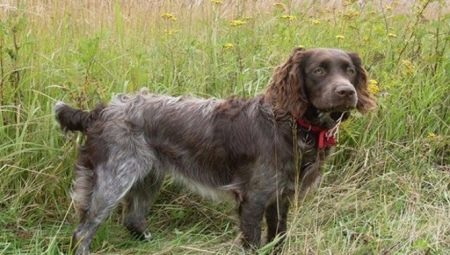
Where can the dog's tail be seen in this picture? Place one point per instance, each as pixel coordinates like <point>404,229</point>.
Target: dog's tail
<point>72,119</point>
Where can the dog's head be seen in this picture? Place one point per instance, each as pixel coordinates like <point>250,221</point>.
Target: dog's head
<point>330,80</point>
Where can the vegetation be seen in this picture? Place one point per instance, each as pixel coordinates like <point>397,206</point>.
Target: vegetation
<point>385,191</point>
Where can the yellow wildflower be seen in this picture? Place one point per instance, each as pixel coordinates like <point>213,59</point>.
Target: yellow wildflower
<point>288,17</point>
<point>373,87</point>
<point>408,66</point>
<point>432,136</point>
<point>301,46</point>
<point>217,2</point>
<point>170,31</point>
<point>280,5</point>
<point>349,2</point>
<point>228,46</point>
<point>392,35</point>
<point>237,22</point>
<point>388,7</point>
<point>315,21</point>
<point>351,14</point>
<point>168,16</point>
<point>340,37</point>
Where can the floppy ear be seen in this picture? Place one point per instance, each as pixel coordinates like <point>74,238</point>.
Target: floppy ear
<point>365,101</point>
<point>286,91</point>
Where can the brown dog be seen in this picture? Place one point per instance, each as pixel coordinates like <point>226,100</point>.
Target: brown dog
<point>243,148</point>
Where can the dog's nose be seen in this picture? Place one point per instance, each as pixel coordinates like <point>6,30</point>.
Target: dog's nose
<point>345,91</point>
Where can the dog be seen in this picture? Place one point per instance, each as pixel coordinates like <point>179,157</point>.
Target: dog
<point>255,151</point>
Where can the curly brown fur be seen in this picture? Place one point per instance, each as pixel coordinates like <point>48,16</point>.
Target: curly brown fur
<point>243,149</point>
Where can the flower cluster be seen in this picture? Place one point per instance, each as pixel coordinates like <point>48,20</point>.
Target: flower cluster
<point>280,6</point>
<point>315,21</point>
<point>169,16</point>
<point>408,67</point>
<point>373,87</point>
<point>171,31</point>
<point>288,17</point>
<point>237,22</point>
<point>228,46</point>
<point>392,35</point>
<point>217,2</point>
<point>351,14</point>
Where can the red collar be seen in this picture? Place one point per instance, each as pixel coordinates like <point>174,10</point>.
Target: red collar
<point>326,138</point>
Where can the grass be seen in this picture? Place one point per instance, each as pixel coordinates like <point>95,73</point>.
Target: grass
<point>385,191</point>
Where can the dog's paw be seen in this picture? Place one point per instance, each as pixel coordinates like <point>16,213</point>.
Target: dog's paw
<point>142,236</point>
<point>147,236</point>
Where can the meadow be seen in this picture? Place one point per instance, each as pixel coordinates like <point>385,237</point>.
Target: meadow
<point>386,190</point>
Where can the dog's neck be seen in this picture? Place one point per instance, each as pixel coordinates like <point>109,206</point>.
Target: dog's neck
<point>322,127</point>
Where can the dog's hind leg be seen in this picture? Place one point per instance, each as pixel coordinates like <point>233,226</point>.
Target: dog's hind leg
<point>82,188</point>
<point>112,183</point>
<point>138,202</point>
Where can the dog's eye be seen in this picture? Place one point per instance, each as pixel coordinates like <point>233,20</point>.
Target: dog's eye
<point>351,70</point>
<point>319,71</point>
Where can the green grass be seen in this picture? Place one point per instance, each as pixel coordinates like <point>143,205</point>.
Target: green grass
<point>385,191</point>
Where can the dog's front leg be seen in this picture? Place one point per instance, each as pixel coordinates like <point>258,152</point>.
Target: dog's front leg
<point>310,178</point>
<point>251,211</point>
<point>276,218</point>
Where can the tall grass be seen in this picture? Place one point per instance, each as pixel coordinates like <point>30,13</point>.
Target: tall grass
<point>386,190</point>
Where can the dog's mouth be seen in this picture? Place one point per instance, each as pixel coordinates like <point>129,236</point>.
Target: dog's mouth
<point>331,106</point>
<point>334,111</point>
<point>327,118</point>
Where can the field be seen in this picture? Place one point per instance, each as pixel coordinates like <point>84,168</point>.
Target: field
<point>386,189</point>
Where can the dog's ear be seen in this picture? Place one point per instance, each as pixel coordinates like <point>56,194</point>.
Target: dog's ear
<point>365,101</point>
<point>286,91</point>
